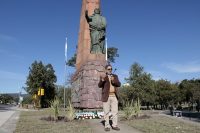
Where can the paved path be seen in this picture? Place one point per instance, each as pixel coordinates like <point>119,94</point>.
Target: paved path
<point>8,118</point>
<point>6,112</point>
<point>98,127</point>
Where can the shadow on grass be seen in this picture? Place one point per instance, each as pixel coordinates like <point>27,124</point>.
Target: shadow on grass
<point>52,119</point>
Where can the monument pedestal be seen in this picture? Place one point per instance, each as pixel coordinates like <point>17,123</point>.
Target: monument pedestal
<point>85,93</point>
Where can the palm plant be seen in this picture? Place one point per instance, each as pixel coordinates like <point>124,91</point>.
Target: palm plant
<point>128,110</point>
<point>55,105</point>
<point>70,112</point>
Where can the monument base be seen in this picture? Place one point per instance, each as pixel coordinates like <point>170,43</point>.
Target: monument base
<point>85,91</point>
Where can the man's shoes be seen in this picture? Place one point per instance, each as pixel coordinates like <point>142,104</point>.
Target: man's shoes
<point>116,128</point>
<point>107,129</point>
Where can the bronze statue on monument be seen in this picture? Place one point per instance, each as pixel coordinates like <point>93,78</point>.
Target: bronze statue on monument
<point>97,25</point>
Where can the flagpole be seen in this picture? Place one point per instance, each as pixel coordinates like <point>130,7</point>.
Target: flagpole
<point>64,87</point>
<point>65,71</point>
<point>106,50</point>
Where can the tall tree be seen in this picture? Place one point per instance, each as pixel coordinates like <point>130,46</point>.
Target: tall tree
<point>112,54</point>
<point>135,72</point>
<point>41,75</point>
<point>142,84</point>
<point>191,91</point>
<point>72,61</point>
<point>168,93</point>
<point>5,98</point>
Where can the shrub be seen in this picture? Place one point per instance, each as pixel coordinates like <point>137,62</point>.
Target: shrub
<point>55,104</point>
<point>137,107</point>
<point>131,109</point>
<point>128,110</point>
<point>70,112</point>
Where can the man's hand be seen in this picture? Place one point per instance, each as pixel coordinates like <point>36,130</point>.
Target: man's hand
<point>102,77</point>
<point>112,78</point>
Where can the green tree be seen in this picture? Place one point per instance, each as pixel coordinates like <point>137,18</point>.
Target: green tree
<point>5,98</point>
<point>136,71</point>
<point>112,54</point>
<point>168,93</point>
<point>72,61</point>
<point>142,85</point>
<point>41,75</point>
<point>185,87</point>
<point>28,99</point>
<point>191,92</point>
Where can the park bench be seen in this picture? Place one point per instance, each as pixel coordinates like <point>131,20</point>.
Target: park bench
<point>177,113</point>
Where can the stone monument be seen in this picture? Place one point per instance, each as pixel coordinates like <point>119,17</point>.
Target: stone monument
<point>91,60</point>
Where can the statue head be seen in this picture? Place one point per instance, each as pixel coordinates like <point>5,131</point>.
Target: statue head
<point>97,11</point>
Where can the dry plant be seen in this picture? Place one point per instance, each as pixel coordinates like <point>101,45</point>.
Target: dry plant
<point>70,112</point>
<point>55,105</point>
<point>128,110</point>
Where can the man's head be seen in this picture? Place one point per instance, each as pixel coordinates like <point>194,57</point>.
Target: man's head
<point>97,11</point>
<point>108,69</point>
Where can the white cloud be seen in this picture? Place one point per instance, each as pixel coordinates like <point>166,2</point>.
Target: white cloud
<point>7,38</point>
<point>190,67</point>
<point>12,41</point>
<point>10,54</point>
<point>11,75</point>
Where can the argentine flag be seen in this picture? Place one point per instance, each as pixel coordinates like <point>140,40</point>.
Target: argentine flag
<point>66,51</point>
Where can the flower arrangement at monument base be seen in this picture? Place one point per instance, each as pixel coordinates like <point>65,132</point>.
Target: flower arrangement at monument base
<point>89,115</point>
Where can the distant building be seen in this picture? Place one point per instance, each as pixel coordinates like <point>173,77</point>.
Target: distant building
<point>126,84</point>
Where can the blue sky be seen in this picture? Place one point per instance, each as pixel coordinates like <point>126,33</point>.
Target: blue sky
<point>161,35</point>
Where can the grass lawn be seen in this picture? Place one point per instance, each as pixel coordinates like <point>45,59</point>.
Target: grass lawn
<point>164,124</point>
<point>29,122</point>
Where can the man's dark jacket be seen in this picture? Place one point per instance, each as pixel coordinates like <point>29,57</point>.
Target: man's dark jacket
<point>105,85</point>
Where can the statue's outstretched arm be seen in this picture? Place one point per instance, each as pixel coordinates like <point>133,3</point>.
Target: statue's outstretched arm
<point>87,17</point>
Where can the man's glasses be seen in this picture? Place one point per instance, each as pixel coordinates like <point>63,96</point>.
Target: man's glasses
<point>109,69</point>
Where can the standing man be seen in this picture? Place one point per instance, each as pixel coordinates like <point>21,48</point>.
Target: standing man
<point>109,83</point>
